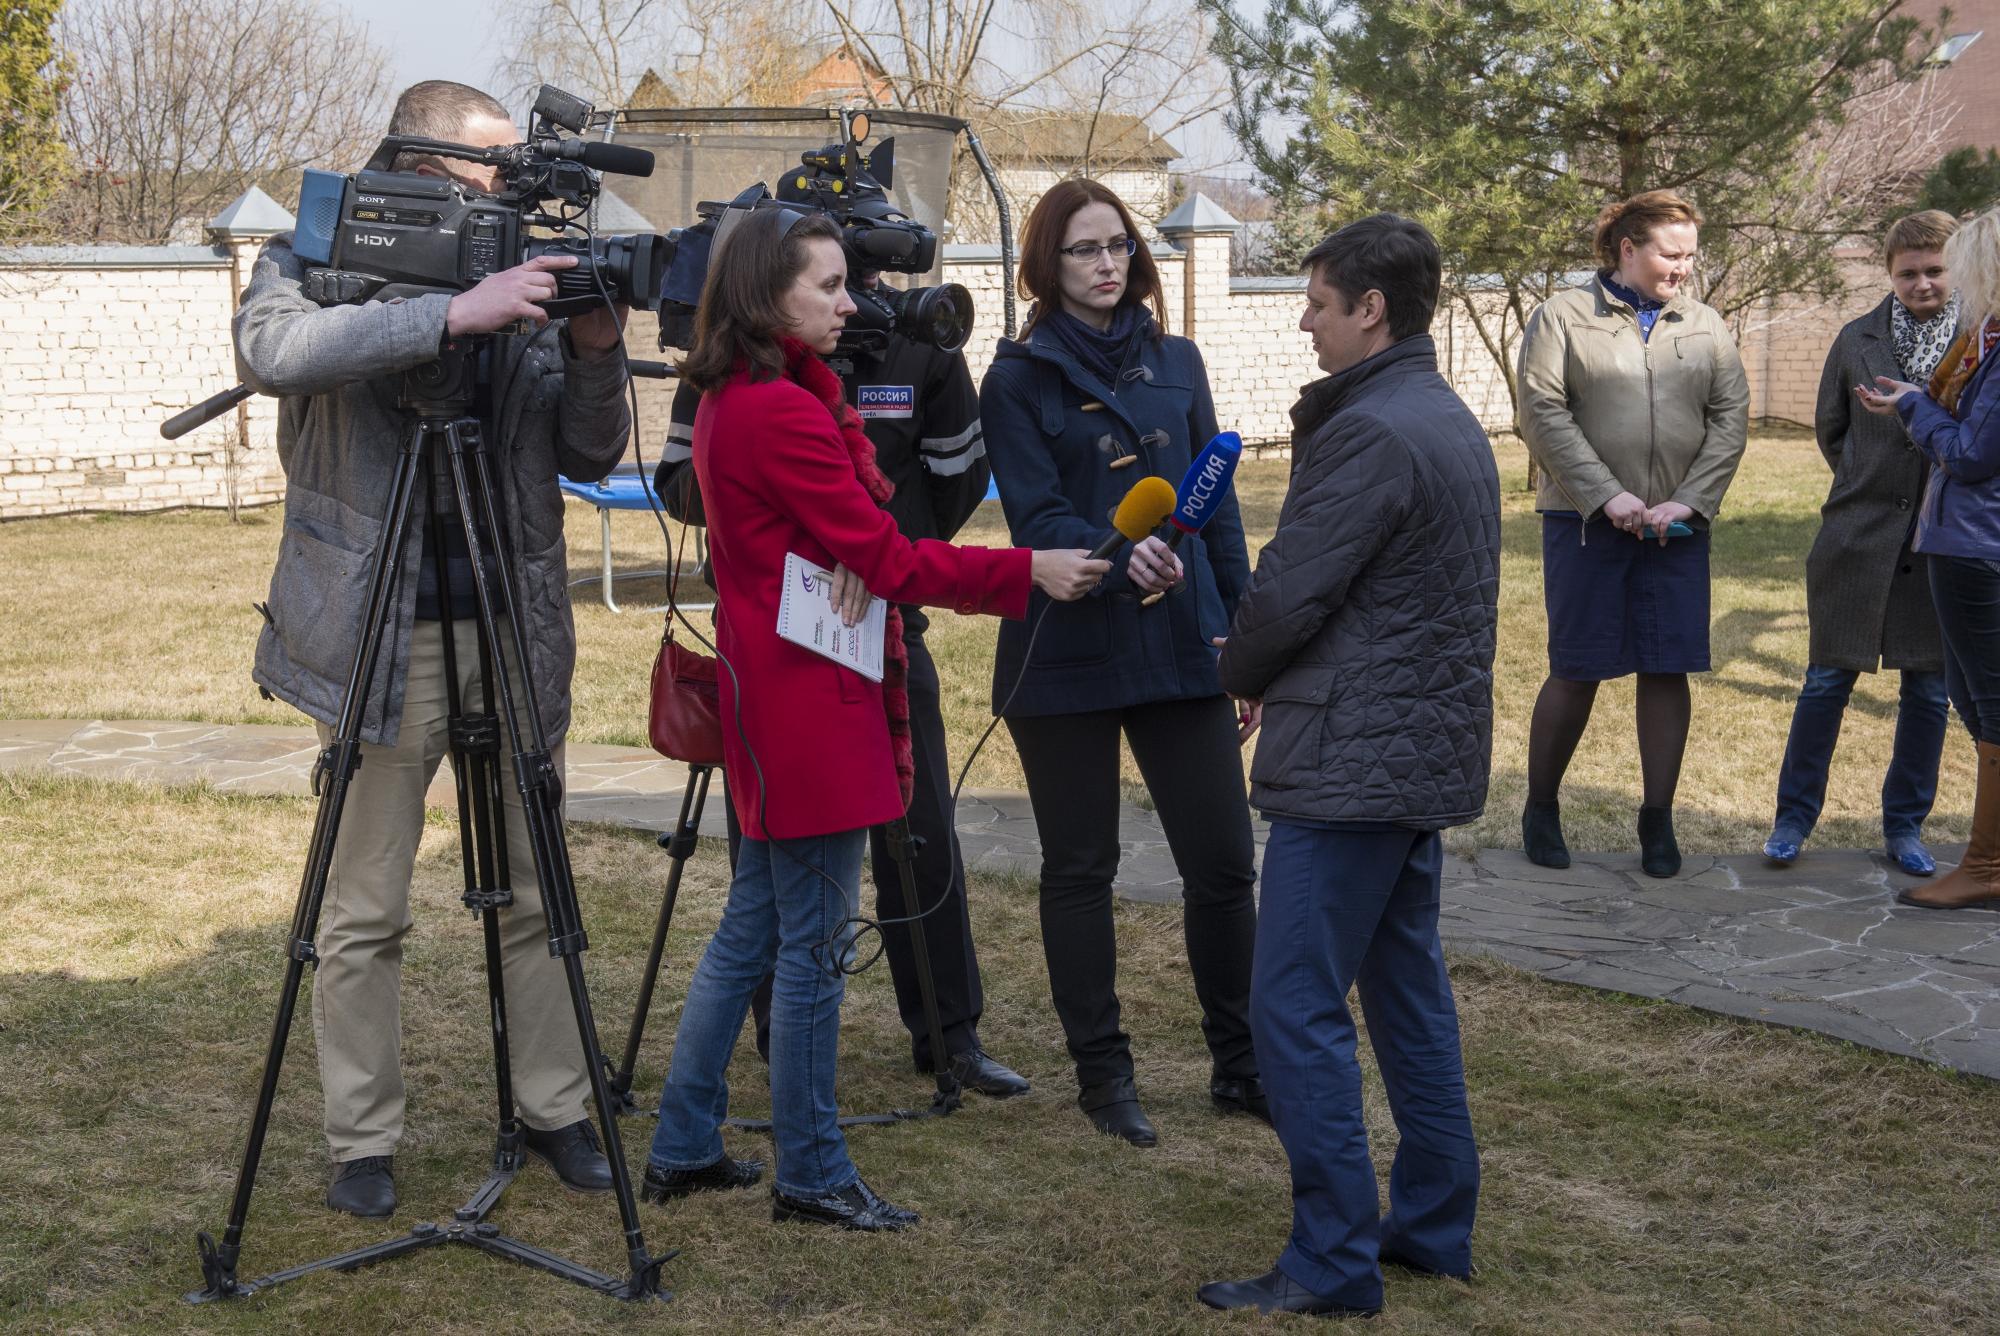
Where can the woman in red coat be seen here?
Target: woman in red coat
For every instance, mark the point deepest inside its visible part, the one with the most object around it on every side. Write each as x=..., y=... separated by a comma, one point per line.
x=822, y=753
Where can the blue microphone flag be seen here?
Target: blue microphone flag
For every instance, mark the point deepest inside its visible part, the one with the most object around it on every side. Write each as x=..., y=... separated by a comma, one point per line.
x=1207, y=482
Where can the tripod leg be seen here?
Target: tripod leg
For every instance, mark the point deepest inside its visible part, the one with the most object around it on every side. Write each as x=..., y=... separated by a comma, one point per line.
x=680, y=846
x=902, y=849
x=334, y=771
x=541, y=789
x=475, y=748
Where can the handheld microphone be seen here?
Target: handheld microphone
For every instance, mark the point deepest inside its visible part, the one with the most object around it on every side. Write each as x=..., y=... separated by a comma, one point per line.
x=1202, y=489
x=1142, y=510
x=1205, y=484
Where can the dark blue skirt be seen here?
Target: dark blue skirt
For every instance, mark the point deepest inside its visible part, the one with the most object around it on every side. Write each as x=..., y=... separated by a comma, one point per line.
x=1619, y=604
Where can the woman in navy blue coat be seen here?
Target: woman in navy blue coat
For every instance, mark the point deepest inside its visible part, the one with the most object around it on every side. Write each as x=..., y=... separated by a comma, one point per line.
x=1093, y=396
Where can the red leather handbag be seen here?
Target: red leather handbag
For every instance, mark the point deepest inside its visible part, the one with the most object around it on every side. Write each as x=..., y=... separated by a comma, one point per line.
x=684, y=722
x=686, y=718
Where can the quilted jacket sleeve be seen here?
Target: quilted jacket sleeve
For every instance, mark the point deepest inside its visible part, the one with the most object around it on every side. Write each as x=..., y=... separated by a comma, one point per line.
x=1350, y=496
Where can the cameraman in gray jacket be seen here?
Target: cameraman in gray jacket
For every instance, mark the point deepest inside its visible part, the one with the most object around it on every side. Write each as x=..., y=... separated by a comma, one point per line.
x=1367, y=631
x=554, y=402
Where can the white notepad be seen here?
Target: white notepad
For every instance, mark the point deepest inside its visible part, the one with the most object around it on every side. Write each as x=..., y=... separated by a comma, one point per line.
x=806, y=617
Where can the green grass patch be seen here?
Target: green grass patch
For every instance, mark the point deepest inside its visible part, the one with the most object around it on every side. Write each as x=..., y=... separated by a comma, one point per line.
x=1647, y=1168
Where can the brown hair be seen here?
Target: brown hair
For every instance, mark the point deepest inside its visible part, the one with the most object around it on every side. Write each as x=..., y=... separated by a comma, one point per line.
x=1042, y=257
x=1636, y=218
x=742, y=311
x=439, y=109
x=1926, y=231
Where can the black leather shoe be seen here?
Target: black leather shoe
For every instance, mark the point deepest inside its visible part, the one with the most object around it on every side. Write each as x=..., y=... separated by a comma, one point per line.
x=982, y=1075
x=1542, y=834
x=856, y=1206
x=1274, y=1292
x=365, y=1187
x=1240, y=1094
x=574, y=1153
x=1659, y=855
x=725, y=1175
x=1113, y=1108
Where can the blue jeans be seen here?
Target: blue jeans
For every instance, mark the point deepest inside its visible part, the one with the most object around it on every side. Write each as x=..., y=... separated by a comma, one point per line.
x=1910, y=784
x=1966, y=591
x=781, y=911
x=1360, y=908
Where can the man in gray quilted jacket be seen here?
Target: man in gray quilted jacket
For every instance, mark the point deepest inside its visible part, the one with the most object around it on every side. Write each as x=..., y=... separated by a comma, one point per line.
x=1367, y=633
x=554, y=402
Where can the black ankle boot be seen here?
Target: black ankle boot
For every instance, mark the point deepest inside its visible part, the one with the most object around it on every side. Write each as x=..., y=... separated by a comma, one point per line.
x=1659, y=855
x=1542, y=834
x=1113, y=1108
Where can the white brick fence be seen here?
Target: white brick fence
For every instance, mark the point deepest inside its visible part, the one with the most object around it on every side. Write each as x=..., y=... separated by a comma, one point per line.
x=99, y=345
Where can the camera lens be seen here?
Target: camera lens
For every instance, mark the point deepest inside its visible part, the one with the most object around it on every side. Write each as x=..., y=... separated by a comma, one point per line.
x=941, y=316
x=627, y=269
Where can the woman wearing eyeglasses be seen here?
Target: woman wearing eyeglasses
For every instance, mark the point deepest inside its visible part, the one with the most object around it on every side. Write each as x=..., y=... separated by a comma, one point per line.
x=1093, y=396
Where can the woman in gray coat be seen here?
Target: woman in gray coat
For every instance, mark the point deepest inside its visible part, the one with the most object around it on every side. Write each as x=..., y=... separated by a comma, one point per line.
x=1867, y=594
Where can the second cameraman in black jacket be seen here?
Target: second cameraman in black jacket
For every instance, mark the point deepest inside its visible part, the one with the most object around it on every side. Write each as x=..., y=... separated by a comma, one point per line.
x=918, y=405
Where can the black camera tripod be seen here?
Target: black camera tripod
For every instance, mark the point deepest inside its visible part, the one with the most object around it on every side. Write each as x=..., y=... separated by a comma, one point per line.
x=445, y=438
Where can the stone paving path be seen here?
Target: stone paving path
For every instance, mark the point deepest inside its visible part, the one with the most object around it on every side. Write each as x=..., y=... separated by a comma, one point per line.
x=1821, y=945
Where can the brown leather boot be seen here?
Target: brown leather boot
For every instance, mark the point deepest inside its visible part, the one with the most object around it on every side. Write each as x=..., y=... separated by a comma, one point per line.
x=1976, y=879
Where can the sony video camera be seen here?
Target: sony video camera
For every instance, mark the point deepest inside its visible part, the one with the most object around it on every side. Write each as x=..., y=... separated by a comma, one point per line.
x=851, y=187
x=382, y=233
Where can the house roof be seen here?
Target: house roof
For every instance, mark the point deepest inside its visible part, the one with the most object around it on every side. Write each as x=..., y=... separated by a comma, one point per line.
x=1105, y=140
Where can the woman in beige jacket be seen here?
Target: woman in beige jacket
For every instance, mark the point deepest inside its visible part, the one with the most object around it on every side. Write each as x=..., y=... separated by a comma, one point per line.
x=1634, y=404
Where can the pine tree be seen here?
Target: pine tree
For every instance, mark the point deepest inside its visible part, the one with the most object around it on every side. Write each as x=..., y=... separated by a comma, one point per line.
x=33, y=161
x=1505, y=125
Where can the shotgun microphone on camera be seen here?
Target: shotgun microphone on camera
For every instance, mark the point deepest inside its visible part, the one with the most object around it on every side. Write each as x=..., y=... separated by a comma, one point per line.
x=599, y=156
x=1142, y=510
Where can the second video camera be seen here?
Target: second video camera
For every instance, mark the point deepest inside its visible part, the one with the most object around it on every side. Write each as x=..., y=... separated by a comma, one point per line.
x=851, y=187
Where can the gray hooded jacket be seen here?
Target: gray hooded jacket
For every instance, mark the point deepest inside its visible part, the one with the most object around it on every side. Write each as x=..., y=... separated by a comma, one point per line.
x=336, y=370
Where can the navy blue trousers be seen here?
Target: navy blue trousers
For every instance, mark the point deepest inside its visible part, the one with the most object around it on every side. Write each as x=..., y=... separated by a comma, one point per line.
x=1345, y=909
x=1909, y=786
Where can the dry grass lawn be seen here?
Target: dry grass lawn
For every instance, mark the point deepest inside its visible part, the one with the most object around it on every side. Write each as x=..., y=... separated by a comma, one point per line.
x=150, y=617
x=1648, y=1169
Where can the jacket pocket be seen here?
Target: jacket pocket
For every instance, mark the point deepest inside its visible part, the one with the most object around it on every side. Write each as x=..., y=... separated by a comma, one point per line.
x=319, y=588
x=1693, y=366
x=1076, y=634
x=1291, y=753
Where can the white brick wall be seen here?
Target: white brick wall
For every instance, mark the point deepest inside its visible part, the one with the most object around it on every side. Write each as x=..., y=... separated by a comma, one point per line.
x=96, y=351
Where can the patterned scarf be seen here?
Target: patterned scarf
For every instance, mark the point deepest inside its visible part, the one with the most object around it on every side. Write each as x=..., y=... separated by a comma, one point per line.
x=1920, y=344
x=804, y=368
x=1960, y=360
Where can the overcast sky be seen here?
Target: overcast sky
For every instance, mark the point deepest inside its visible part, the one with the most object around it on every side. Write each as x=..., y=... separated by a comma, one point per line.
x=454, y=39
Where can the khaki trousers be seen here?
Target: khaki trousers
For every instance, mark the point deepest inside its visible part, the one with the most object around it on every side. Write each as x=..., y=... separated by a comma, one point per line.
x=357, y=1004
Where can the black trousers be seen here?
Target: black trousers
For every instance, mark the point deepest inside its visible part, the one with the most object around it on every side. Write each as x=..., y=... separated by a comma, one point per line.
x=940, y=871
x=1188, y=753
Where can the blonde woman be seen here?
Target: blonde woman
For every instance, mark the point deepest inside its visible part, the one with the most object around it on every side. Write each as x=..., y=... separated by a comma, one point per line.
x=1957, y=426
x=1633, y=402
